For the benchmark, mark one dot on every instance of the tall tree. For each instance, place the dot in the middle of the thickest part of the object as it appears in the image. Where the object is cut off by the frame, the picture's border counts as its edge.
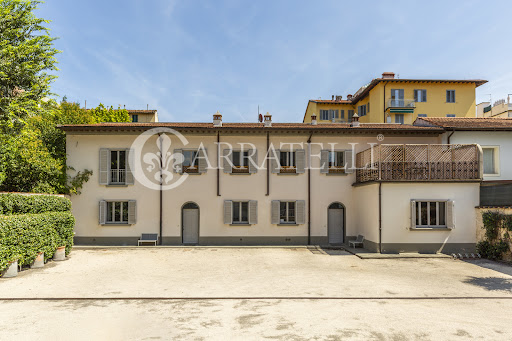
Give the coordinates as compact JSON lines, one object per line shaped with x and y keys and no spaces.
{"x":27,"y":58}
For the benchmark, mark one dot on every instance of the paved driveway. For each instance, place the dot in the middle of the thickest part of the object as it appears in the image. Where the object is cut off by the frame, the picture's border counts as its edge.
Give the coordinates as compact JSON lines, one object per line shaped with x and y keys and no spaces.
{"x":256,"y":293}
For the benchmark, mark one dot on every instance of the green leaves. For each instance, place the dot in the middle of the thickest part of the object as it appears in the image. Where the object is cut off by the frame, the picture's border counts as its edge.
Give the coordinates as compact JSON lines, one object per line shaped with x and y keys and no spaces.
{"x":103,"y":115}
{"x":12,"y":203}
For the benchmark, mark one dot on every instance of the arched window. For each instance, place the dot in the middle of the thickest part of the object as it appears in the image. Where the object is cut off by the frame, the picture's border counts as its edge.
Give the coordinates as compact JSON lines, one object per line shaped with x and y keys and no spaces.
{"x":190,"y":206}
{"x":336,"y":205}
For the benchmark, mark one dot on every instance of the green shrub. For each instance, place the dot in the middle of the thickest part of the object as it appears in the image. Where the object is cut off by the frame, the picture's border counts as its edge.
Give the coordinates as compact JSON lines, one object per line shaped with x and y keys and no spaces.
{"x":12,"y":203}
{"x":23,"y":236}
{"x":492,"y":250}
{"x":492,"y":222}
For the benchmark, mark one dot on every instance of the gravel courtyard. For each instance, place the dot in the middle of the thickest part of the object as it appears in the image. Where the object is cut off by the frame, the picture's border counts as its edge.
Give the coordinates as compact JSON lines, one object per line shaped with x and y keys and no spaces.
{"x":254,"y":294}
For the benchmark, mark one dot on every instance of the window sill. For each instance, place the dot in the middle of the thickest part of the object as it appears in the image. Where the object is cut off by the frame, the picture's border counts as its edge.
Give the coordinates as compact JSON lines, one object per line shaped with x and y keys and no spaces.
{"x":193,"y":173}
{"x":239,"y":173}
{"x":287,"y":224}
{"x":337,"y":174}
{"x":117,"y":185}
{"x":288,"y":173}
{"x":240,"y":224}
{"x":116,"y":224}
{"x":430,"y":229}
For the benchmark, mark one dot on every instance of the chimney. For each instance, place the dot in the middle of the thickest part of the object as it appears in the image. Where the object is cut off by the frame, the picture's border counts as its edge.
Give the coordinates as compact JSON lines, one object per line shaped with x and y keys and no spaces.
{"x":217,"y":119}
{"x":355,"y":120}
{"x":313,"y":119}
{"x":338,"y":98}
{"x":388,"y":75}
{"x":267,"y":120}
{"x":349,"y":97}
{"x":333,"y":97}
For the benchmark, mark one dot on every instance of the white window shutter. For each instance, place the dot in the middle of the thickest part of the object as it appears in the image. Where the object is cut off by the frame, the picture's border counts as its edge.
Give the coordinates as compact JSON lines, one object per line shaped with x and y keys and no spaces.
{"x":228,"y":156}
{"x":132,"y":212}
{"x":300,"y":161}
{"x":102,"y":212}
{"x":202,"y":164}
{"x":324,"y":161}
{"x":349,"y":162}
{"x":450,"y":214}
{"x":253,"y":212}
{"x":228,"y":212}
{"x":273,"y":162}
{"x":129,"y":174}
{"x":178,"y":166}
{"x":275,"y":211}
{"x":253,"y":161}
{"x":413,"y":214}
{"x":300,"y":211}
{"x":104,"y":166}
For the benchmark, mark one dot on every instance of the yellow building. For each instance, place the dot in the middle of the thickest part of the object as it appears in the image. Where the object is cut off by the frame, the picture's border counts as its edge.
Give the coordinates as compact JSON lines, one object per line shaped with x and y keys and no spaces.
{"x":143,"y":116}
{"x":392,"y":100}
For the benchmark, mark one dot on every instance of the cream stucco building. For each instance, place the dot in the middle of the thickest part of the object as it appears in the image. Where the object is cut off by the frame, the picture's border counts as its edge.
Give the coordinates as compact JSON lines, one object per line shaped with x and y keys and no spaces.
{"x":275,"y":184}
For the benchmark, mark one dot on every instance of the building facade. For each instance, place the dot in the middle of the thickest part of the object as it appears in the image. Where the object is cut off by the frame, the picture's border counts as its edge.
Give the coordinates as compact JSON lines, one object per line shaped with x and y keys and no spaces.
{"x":392,"y":100}
{"x":275,"y":184}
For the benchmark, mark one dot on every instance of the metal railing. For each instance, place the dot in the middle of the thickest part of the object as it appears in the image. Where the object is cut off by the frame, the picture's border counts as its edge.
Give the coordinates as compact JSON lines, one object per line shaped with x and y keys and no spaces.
{"x":117,"y":176}
{"x":401,"y":103}
{"x":414,"y":162}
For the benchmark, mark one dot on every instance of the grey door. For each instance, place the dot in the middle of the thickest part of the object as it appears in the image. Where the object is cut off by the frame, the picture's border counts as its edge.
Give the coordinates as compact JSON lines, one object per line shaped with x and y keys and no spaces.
{"x":335,"y":216}
{"x":190,"y":219}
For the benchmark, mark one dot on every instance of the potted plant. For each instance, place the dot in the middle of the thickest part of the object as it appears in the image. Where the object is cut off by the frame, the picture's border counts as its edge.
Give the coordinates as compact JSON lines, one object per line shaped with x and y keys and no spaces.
{"x":60,"y":253}
{"x":12,"y":269}
{"x":39,"y":261}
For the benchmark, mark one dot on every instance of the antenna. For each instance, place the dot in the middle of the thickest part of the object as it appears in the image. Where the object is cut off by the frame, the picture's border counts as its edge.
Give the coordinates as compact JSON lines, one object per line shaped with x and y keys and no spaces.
{"x":85,"y":104}
{"x":147,"y":106}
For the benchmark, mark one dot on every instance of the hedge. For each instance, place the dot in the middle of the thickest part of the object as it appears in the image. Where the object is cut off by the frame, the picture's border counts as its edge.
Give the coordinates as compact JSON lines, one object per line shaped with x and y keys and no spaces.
{"x":22,"y":237}
{"x":12,"y":203}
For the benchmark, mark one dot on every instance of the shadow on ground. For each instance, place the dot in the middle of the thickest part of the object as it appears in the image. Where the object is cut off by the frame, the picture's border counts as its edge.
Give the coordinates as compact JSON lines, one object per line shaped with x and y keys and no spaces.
{"x":491,"y":283}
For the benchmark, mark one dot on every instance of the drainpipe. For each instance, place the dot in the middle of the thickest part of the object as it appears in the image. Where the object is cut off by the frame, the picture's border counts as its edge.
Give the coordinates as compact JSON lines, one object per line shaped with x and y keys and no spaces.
{"x":309,"y":188}
{"x":453,"y":132}
{"x":160,"y":239}
{"x":380,"y":217}
{"x":218,"y":163}
{"x":384,"y":102}
{"x":268,"y":168}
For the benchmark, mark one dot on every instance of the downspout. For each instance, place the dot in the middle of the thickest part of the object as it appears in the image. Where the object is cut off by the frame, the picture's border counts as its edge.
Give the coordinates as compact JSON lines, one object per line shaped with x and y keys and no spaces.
{"x":309,"y":188}
{"x":218,"y":163}
{"x":384,"y":102}
{"x":160,"y":240}
{"x":453,"y":132}
{"x":268,"y":168}
{"x":380,"y":217}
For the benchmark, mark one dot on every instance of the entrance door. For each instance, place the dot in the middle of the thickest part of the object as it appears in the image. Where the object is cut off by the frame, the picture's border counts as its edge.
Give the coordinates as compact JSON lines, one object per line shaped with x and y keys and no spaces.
{"x":190,"y":221}
{"x":335,"y":221}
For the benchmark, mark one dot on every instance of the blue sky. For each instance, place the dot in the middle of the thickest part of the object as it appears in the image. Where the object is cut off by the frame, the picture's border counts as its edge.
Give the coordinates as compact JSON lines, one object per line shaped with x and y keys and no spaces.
{"x":188,"y":59}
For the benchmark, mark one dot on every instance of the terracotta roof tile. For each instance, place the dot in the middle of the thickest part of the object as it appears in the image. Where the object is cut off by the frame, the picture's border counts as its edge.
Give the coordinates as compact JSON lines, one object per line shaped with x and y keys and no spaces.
{"x":465,"y":123}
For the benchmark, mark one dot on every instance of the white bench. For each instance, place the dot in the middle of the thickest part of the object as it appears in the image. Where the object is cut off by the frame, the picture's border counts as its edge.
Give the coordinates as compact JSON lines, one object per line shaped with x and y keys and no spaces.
{"x":148,"y":238}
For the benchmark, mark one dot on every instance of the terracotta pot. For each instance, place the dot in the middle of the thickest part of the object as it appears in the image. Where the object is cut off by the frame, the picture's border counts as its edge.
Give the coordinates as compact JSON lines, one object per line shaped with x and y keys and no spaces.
{"x":39,"y":261}
{"x":12,"y":270}
{"x":60,"y":253}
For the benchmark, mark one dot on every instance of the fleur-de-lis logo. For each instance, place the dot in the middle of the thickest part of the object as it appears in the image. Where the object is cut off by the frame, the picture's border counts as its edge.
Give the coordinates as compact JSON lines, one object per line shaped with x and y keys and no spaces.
{"x":159,"y":168}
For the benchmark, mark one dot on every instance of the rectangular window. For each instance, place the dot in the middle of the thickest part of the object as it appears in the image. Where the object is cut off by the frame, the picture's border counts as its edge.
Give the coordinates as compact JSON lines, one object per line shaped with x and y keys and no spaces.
{"x":422,"y":115}
{"x":135,"y":118}
{"x":490,"y":160}
{"x":324,"y":115}
{"x":350,"y":115}
{"x":190,"y":161}
{"x":342,"y":114}
{"x":240,"y":161}
{"x":287,"y":212}
{"x":420,"y":95}
{"x":450,"y":115}
{"x":450,"y":96}
{"x":431,"y":214}
{"x":397,"y":98}
{"x":287,"y":161}
{"x":336,"y":162}
{"x":368,"y":107}
{"x":117,"y":212}
{"x":361,"y":110}
{"x":117,"y":166}
{"x":240,"y":212}
{"x":399,"y":118}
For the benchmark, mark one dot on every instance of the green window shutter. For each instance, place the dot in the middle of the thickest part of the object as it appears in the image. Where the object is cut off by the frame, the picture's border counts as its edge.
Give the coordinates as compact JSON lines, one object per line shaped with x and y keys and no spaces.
{"x":202,"y":164}
{"x":132,"y":212}
{"x":274,"y":165}
{"x":324,"y":161}
{"x":349,"y":162}
{"x":104,"y":166}
{"x":413,"y":214}
{"x":300,"y":213}
{"x":102,"y":212}
{"x":253,"y":161}
{"x":253,"y":212}
{"x":342,"y":114}
{"x":228,"y":212}
{"x":129,"y":174}
{"x":300,"y":161}
{"x":275,"y":212}
{"x":424,"y":96}
{"x":450,"y":214}
{"x":227,"y":160}
{"x":178,"y":167}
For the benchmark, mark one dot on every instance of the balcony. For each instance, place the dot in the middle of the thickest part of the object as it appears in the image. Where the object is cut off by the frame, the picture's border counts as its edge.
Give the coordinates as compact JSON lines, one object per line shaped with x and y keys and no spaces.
{"x":117,"y":176}
{"x":401,"y":105}
{"x":419,"y":162}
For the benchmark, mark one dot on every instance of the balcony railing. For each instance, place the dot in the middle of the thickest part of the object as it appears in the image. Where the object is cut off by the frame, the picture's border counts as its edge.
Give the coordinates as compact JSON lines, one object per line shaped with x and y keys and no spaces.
{"x":117,"y":176}
{"x":419,"y":162}
{"x":401,"y":103}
